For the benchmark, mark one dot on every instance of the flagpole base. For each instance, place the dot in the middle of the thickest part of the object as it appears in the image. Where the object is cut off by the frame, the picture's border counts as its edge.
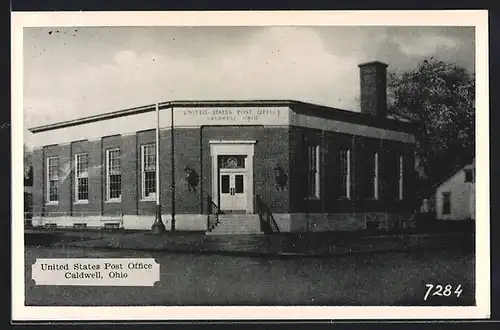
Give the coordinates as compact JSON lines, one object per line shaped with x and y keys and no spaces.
{"x":158,"y":226}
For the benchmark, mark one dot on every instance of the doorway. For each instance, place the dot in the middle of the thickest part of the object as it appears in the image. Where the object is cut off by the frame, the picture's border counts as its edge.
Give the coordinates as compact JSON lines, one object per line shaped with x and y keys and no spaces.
{"x":232,"y":175}
{"x":232,"y":185}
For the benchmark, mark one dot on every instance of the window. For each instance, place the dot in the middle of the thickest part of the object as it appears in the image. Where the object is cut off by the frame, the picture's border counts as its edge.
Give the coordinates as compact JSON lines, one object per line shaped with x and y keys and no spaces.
{"x":400,"y":176}
{"x":344,"y":167}
{"x":113,"y":175}
{"x":238,"y":183}
{"x":232,"y":161}
{"x":148,"y":156}
{"x":225,"y":184}
{"x":82,"y":178}
{"x":313,"y":171}
{"x":446,"y":202}
{"x":52,"y":179}
{"x":468,"y":176}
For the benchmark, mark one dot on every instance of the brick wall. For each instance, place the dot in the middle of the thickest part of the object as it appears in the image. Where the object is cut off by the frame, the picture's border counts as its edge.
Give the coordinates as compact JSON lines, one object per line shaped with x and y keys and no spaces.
{"x":271,"y":152}
{"x":275,"y":147}
{"x":187,"y":151}
{"x":297,"y":170}
{"x":373,"y":86}
{"x":129,"y":162}
{"x":38,"y":160}
{"x":331,"y":143}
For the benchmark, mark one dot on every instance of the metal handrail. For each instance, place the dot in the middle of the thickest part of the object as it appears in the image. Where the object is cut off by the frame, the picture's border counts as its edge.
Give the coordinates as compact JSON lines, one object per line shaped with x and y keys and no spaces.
{"x":211,"y":207}
{"x":267,"y":221}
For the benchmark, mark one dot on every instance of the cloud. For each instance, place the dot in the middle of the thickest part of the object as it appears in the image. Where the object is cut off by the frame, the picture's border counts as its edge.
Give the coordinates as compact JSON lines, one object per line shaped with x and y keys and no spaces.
{"x":276,"y":63}
{"x":125,"y":57}
{"x":108,"y":70}
{"x":423,"y":45}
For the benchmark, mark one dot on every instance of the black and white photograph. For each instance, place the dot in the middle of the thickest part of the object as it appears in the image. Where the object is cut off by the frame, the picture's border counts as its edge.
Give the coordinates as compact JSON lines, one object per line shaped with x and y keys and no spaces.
{"x":293,"y":163}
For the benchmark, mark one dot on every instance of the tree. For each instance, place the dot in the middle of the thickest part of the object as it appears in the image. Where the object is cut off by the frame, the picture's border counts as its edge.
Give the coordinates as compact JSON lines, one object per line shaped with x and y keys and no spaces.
{"x":440,"y":98}
{"x":28,"y":167}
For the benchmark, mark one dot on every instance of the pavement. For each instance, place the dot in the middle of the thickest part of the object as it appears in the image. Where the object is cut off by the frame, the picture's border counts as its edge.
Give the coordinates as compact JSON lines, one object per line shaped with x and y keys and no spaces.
{"x":282,"y":244}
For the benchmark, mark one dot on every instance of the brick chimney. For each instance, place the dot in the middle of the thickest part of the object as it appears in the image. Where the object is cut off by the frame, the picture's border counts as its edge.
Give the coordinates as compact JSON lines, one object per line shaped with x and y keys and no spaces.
{"x":373,"y":81}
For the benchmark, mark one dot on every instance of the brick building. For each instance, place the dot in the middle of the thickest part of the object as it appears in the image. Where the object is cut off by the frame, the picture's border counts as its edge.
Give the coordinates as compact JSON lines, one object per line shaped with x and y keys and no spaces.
{"x":313,"y":168}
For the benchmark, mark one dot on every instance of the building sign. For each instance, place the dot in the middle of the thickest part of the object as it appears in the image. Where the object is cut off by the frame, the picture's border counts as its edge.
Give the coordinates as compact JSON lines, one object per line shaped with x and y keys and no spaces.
{"x":231,"y":116}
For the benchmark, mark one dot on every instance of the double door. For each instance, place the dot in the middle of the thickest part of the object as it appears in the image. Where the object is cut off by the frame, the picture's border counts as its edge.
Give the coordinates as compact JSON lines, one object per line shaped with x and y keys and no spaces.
{"x":233,"y":190}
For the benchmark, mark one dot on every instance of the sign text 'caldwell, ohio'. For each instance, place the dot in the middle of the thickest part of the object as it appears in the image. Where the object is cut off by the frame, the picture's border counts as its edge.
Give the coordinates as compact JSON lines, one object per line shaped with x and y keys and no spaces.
{"x":105,"y":272}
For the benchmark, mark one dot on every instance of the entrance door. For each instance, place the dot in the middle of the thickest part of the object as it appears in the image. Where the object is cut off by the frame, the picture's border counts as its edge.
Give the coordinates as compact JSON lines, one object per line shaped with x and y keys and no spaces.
{"x":232,"y":175}
{"x":233,"y":192}
{"x":232,"y":182}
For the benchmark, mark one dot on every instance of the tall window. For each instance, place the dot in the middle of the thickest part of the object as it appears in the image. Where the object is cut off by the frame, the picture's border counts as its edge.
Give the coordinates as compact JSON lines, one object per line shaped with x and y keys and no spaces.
{"x":344,"y":166}
{"x":400,"y":176}
{"x":148,"y":156}
{"x":82,"y":178}
{"x":446,"y":202}
{"x":52,"y":179}
{"x":113,"y":175}
{"x":313,"y":171}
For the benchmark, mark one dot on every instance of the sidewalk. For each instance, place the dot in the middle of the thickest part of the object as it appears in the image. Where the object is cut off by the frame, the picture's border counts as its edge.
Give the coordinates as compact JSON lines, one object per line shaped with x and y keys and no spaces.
{"x":310,"y":244}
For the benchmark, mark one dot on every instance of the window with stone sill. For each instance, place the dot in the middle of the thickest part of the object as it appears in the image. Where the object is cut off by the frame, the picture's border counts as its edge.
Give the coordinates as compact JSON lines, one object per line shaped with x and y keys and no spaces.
{"x":113,"y":175}
{"x":343,"y":167}
{"x":313,"y":172}
{"x":52,"y":179}
{"x":81,"y":178}
{"x":148,"y":166}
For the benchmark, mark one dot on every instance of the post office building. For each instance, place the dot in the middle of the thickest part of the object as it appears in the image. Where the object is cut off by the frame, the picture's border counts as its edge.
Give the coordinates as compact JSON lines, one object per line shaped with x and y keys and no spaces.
{"x":230,"y":166}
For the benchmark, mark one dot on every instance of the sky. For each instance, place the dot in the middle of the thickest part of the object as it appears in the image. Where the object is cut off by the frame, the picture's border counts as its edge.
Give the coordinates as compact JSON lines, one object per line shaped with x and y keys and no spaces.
{"x":81,"y":71}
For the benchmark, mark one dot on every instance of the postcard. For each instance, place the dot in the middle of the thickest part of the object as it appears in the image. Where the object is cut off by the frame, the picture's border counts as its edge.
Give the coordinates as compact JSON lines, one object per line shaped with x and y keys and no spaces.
{"x":250,"y":165}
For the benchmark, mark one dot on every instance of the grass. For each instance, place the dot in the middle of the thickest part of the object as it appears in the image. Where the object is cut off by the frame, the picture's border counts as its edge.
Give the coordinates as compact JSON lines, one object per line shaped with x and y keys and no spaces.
{"x":385,"y":279}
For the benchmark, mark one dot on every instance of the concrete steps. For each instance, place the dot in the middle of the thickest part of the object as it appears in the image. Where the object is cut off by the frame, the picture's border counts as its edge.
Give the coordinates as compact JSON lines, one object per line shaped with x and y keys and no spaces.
{"x":237,"y":224}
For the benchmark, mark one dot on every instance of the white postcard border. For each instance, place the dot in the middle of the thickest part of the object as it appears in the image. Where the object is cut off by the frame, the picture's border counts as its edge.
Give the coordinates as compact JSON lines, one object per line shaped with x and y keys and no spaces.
{"x":479,"y":19}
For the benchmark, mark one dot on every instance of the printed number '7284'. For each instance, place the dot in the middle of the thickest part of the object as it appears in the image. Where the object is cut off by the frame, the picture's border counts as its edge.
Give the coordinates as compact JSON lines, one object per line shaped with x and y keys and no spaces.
{"x":439,"y":290}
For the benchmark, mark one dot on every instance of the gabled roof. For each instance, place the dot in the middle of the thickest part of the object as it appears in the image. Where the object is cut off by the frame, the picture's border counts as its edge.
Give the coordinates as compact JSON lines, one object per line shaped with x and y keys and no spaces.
{"x":455,"y":170}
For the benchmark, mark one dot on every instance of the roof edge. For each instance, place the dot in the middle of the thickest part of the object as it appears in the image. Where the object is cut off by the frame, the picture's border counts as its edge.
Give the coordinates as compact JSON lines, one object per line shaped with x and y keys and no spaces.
{"x":161,"y":105}
{"x":450,"y":175}
{"x":292,"y":104}
{"x":376,"y":121}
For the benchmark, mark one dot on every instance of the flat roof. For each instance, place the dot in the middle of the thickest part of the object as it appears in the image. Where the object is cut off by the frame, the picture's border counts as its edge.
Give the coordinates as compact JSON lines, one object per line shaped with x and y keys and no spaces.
{"x":305,"y":108}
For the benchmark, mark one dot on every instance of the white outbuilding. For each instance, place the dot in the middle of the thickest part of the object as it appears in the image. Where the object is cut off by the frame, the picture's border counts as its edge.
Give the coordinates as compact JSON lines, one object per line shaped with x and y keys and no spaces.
{"x":455,"y":197}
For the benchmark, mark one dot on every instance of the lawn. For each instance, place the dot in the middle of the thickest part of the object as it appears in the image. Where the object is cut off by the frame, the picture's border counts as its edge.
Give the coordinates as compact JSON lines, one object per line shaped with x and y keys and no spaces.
{"x":389,"y":279}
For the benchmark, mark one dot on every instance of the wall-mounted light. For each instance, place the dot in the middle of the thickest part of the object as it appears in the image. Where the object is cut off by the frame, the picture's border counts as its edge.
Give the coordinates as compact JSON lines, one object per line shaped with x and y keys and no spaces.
{"x":281,"y":178}
{"x":192,"y":178}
